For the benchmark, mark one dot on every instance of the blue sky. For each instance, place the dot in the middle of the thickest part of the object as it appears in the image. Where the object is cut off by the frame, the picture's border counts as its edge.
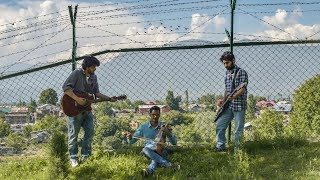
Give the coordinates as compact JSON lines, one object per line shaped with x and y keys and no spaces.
{"x":115,"y":24}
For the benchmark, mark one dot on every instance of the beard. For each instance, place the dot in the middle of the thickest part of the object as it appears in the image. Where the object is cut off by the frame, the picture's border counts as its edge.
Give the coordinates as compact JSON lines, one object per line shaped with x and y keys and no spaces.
{"x":230,"y":67}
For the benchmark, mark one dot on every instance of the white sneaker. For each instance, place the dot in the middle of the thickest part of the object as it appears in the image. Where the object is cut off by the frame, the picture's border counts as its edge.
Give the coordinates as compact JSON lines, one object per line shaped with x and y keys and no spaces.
{"x":74,"y":162}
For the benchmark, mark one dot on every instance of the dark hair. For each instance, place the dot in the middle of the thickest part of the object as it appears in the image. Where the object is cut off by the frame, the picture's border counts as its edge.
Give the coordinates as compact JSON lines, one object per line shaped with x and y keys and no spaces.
{"x":89,"y":61}
{"x":228,"y":56}
{"x":157,"y":108}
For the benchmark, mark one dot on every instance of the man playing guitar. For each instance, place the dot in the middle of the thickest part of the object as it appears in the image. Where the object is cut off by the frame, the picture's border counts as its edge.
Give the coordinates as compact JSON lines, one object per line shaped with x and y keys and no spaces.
{"x":236,"y":81}
{"x":82,"y":80}
{"x":156,"y":133}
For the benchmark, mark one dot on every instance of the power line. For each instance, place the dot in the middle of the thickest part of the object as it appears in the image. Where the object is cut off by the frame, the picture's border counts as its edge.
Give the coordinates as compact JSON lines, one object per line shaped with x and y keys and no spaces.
{"x":31,"y":31}
{"x":26,"y":50}
{"x":127,"y":2}
{"x":278,"y":4}
{"x":109,"y":32}
{"x":272,"y":12}
{"x":157,"y":5}
{"x":33,"y":25}
{"x":196,"y":27}
{"x":32,"y":50}
{"x":179,"y":10}
{"x":150,"y":21}
{"x":32,"y":18}
{"x":12,"y":43}
{"x":29,"y":60}
{"x":268,"y":23}
{"x":257,"y":36}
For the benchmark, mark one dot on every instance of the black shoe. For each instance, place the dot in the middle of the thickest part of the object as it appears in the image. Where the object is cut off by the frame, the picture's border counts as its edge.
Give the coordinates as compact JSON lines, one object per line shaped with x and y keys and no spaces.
{"x":145,"y":173}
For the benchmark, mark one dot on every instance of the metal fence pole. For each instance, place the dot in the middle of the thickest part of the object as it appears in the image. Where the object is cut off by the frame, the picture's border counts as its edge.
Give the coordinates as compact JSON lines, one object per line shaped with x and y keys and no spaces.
{"x":74,"y":42}
{"x":233,"y":5}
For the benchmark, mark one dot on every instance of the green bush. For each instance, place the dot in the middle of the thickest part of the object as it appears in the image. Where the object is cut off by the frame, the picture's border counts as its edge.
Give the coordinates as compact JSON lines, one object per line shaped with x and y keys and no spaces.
{"x":58,"y":158}
{"x":4,"y":128}
{"x":16,"y":141}
{"x":270,"y":125}
{"x":51,"y":124}
{"x":306,"y":109}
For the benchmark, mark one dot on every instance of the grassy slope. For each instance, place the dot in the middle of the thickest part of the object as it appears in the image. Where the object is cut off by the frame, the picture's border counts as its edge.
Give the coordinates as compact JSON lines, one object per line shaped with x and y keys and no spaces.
{"x":257,"y":160}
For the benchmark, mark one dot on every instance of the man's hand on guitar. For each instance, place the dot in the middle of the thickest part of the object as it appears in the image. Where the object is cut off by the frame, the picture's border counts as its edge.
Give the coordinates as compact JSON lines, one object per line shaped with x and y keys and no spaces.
{"x":219,"y":102}
{"x":81,"y":101}
{"x":127,"y":134}
{"x":113,"y":99}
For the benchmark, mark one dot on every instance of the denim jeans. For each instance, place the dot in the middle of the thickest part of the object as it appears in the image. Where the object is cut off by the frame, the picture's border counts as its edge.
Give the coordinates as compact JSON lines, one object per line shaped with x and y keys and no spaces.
{"x":223,"y":122}
{"x":84,"y":120}
{"x":156,"y":159}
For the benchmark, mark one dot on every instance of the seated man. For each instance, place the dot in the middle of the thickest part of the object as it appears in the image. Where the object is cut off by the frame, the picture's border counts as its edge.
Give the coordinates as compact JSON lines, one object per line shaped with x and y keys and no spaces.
{"x":155,"y":133}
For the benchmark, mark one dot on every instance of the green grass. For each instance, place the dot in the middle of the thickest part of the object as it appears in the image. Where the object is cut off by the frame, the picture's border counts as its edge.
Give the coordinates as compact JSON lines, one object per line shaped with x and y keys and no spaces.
{"x":283,"y":159}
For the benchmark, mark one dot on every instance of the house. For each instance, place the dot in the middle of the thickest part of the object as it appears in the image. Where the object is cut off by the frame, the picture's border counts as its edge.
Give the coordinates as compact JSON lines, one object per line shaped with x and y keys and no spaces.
{"x":262,"y":104}
{"x":4,"y":110}
{"x":194,"y":108}
{"x":19,"y":115}
{"x":49,"y":109}
{"x":285,"y":108}
{"x":145,"y":108}
{"x":151,"y":103}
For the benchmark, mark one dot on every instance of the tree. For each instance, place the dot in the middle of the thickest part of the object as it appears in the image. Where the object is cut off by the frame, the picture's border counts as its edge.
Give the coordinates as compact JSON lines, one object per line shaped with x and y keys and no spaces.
{"x":305,"y":117}
{"x":21,"y":103}
{"x":208,"y":100}
{"x":48,"y":96}
{"x":260,"y":98}
{"x":32,"y":105}
{"x":4,"y":128}
{"x":58,"y":159}
{"x":187,"y":100}
{"x":251,"y":106}
{"x":104,"y":108}
{"x":172,"y":101}
{"x":135,"y":104}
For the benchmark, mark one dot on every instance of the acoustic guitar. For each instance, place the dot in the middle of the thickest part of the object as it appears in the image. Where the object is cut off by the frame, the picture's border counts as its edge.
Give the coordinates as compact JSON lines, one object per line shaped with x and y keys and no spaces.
{"x":71,"y":108}
{"x":226,"y":103}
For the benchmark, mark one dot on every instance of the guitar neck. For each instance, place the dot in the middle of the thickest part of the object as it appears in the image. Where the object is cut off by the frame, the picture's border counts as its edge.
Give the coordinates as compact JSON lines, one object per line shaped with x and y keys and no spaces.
{"x":98,"y":100}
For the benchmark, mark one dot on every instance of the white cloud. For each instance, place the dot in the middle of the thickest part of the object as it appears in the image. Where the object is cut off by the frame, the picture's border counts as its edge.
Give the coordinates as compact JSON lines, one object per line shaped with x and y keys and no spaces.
{"x":200,"y":23}
{"x":286,"y":26}
{"x":282,"y":18}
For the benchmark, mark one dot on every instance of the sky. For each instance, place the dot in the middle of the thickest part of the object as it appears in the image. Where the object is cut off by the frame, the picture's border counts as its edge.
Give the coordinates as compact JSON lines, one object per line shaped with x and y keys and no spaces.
{"x":35,"y":33}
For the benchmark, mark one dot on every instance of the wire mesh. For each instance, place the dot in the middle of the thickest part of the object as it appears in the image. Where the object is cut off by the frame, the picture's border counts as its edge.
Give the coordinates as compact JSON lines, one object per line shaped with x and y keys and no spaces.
{"x":193,"y":74}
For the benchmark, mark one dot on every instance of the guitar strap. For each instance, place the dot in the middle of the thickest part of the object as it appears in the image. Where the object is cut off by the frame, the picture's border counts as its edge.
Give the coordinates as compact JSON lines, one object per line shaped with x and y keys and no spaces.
{"x":233,"y":83}
{"x":234,"y":79}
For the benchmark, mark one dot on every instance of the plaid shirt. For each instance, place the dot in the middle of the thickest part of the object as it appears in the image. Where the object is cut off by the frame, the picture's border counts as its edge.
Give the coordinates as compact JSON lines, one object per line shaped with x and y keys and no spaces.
{"x":239,"y":103}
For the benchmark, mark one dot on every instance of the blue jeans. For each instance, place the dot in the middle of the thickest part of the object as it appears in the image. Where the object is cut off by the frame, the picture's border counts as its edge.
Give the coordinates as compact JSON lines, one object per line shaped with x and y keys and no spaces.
{"x":222,"y":125}
{"x":156,"y":159}
{"x":84,"y":120}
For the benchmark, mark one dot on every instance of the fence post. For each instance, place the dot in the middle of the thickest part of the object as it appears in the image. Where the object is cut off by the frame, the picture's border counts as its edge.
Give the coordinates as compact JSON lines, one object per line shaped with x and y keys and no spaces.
{"x":230,"y":36}
{"x":74,"y":42}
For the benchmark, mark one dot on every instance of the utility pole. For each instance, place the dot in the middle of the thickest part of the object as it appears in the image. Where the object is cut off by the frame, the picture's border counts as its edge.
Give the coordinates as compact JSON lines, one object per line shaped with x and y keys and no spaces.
{"x":73,"y":17}
{"x":230,"y":37}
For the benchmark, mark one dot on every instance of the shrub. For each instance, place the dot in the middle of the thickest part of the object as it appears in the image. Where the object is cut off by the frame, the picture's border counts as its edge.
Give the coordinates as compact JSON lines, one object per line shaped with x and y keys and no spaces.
{"x":306,"y":109}
{"x":58,"y":158}
{"x":269,"y":125}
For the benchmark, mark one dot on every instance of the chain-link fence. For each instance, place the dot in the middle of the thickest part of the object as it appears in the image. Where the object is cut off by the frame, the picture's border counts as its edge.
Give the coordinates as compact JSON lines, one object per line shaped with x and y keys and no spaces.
{"x":195,"y":74}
